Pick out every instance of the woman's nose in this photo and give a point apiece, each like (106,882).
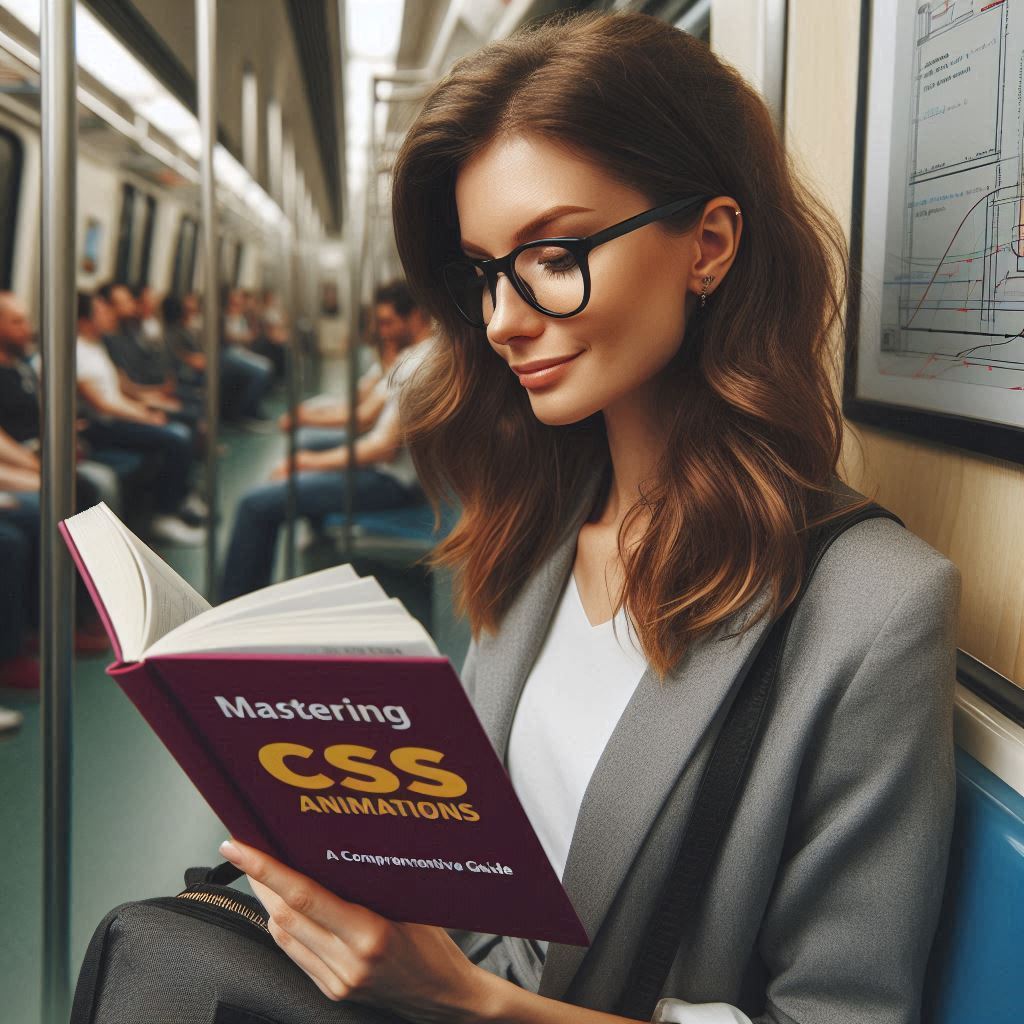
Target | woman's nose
(512,317)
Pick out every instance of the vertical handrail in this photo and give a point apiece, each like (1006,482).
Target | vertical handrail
(59,139)
(206,54)
(360,265)
(289,186)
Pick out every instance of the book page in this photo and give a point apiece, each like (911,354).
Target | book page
(115,573)
(194,635)
(335,575)
(358,591)
(397,639)
(168,599)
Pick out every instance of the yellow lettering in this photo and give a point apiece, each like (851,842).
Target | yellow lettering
(346,755)
(446,783)
(272,757)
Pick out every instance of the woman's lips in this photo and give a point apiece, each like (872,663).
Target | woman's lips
(547,374)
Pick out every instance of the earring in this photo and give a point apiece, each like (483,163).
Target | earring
(703,295)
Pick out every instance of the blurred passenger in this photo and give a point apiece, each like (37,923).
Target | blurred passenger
(272,332)
(246,376)
(149,320)
(384,477)
(238,328)
(183,343)
(20,407)
(119,421)
(323,421)
(144,369)
(20,481)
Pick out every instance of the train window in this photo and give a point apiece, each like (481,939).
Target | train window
(230,261)
(185,256)
(135,236)
(10,180)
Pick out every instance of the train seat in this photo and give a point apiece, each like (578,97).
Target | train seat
(412,526)
(975,968)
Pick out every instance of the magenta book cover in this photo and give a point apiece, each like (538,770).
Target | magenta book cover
(371,775)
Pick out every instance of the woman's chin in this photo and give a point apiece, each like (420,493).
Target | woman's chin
(559,410)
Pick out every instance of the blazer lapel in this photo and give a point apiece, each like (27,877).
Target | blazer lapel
(652,744)
(504,660)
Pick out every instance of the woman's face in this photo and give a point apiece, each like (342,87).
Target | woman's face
(636,317)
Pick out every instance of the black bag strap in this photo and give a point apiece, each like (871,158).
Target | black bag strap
(718,793)
(223,874)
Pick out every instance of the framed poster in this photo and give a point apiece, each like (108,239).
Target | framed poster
(935,324)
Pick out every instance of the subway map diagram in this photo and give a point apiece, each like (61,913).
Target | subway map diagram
(943,326)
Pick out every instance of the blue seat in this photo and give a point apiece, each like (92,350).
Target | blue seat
(975,971)
(409,523)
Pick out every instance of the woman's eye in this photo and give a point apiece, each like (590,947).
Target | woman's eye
(561,262)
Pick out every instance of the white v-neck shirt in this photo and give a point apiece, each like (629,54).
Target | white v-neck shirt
(573,698)
(575,694)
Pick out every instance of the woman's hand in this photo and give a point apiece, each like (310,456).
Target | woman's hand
(350,952)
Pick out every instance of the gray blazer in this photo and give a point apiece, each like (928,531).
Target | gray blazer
(824,900)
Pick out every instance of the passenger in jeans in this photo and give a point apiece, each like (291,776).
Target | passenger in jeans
(384,478)
(244,377)
(323,422)
(119,421)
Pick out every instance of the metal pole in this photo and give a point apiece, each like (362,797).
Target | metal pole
(59,139)
(359,267)
(206,54)
(289,184)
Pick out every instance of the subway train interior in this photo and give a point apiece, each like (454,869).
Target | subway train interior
(212,178)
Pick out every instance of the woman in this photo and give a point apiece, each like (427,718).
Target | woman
(660,479)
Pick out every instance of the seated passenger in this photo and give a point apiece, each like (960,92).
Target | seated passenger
(271,327)
(385,476)
(323,421)
(143,365)
(117,420)
(20,422)
(244,377)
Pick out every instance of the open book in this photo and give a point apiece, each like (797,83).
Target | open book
(320,723)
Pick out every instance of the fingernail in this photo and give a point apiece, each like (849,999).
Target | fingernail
(230,851)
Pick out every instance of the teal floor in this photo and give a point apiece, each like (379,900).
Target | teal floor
(137,820)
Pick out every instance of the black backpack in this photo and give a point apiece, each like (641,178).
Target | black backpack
(201,957)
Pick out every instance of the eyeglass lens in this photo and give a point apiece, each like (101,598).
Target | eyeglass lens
(549,274)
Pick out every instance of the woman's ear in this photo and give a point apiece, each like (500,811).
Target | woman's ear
(716,239)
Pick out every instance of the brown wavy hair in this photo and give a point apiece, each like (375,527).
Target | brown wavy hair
(753,432)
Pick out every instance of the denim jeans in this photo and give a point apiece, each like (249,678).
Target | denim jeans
(17,586)
(250,557)
(19,581)
(319,439)
(172,443)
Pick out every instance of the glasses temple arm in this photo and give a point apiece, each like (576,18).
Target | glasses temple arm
(642,219)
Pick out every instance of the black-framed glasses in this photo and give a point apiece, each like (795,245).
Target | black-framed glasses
(551,274)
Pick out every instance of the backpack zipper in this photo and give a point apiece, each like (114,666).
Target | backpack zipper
(235,906)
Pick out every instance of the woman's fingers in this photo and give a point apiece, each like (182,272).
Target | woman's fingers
(325,979)
(348,921)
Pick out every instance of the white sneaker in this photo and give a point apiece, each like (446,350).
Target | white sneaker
(177,531)
(10,721)
(196,506)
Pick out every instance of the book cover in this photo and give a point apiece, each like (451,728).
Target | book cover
(371,775)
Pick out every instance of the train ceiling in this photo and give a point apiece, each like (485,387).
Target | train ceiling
(293,48)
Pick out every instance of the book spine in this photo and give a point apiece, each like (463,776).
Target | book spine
(144,686)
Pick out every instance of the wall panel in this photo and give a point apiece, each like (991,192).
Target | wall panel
(968,506)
